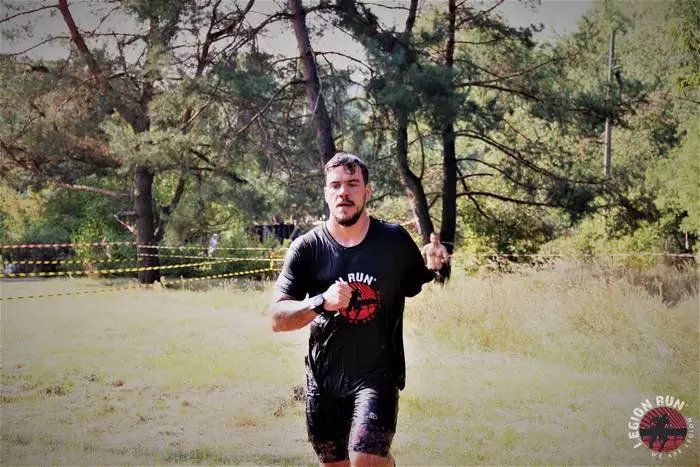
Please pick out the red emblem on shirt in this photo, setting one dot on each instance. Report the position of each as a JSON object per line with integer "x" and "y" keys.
{"x": 363, "y": 305}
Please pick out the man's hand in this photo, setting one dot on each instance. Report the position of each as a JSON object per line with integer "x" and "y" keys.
{"x": 337, "y": 296}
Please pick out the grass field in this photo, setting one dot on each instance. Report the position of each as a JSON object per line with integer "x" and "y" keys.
{"x": 534, "y": 367}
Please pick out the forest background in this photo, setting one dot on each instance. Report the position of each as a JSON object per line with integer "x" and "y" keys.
{"x": 184, "y": 119}
{"x": 173, "y": 116}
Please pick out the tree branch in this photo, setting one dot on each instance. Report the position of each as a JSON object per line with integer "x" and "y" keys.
{"x": 265, "y": 107}
{"x": 137, "y": 123}
{"x": 380, "y": 5}
{"x": 50, "y": 39}
{"x": 353, "y": 59}
{"x": 496, "y": 168}
{"x": 89, "y": 189}
{"x": 229, "y": 173}
{"x": 512, "y": 75}
{"x": 513, "y": 153}
{"x": 508, "y": 199}
{"x": 28, "y": 12}
{"x": 422, "y": 149}
{"x": 478, "y": 174}
{"x": 411, "y": 18}
{"x": 479, "y": 208}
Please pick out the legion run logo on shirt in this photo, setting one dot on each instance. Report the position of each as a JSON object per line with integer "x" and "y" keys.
{"x": 364, "y": 301}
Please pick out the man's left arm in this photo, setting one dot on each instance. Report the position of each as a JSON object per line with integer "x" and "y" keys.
{"x": 414, "y": 271}
{"x": 444, "y": 255}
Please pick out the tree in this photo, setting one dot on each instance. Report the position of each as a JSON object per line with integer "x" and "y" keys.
{"x": 394, "y": 58}
{"x": 463, "y": 71}
{"x": 138, "y": 73}
{"x": 316, "y": 102}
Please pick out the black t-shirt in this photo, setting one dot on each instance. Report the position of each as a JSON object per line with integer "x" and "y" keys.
{"x": 363, "y": 342}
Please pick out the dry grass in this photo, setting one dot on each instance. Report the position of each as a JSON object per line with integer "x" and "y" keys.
{"x": 533, "y": 368}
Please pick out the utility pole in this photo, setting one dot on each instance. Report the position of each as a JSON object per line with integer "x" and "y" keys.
{"x": 607, "y": 144}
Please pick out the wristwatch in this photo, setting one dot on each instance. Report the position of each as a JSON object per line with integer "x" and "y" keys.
{"x": 317, "y": 303}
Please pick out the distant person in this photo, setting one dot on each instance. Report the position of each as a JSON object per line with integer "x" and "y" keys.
{"x": 348, "y": 278}
{"x": 107, "y": 247}
{"x": 278, "y": 227}
{"x": 268, "y": 231}
{"x": 10, "y": 268}
{"x": 437, "y": 258}
{"x": 213, "y": 243}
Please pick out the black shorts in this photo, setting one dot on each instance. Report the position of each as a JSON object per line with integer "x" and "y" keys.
{"x": 362, "y": 422}
{"x": 442, "y": 274}
{"x": 438, "y": 277}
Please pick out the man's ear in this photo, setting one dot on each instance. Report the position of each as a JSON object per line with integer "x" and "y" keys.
{"x": 368, "y": 191}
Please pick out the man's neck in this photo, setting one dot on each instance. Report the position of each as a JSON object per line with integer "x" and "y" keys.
{"x": 351, "y": 235}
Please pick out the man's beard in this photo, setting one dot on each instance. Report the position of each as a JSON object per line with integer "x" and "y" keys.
{"x": 352, "y": 220}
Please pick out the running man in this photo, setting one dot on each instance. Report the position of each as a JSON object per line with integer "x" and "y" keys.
{"x": 355, "y": 365}
{"x": 436, "y": 257}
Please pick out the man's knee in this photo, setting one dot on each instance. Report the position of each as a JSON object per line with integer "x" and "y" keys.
{"x": 345, "y": 463}
{"x": 361, "y": 459}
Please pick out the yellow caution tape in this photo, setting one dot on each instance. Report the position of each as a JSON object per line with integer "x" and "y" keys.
{"x": 135, "y": 286}
{"x": 65, "y": 294}
{"x": 214, "y": 257}
{"x": 221, "y": 276}
{"x": 204, "y": 248}
{"x": 110, "y": 271}
{"x": 71, "y": 261}
{"x": 11, "y": 246}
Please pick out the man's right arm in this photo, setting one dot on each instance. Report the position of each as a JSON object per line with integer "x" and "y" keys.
{"x": 289, "y": 314}
{"x": 288, "y": 308}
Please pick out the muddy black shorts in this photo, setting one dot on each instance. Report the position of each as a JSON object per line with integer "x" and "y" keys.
{"x": 362, "y": 422}
{"x": 438, "y": 276}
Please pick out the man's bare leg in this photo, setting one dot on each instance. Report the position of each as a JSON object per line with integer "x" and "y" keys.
{"x": 361, "y": 459}
{"x": 345, "y": 463}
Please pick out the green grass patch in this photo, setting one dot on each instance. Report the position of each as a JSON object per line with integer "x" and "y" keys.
{"x": 536, "y": 367}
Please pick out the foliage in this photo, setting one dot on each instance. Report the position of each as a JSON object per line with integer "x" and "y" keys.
{"x": 226, "y": 134}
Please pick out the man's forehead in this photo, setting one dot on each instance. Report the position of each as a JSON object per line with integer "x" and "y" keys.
{"x": 343, "y": 173}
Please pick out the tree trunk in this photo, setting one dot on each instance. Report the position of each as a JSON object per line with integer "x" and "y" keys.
{"x": 448, "y": 228}
{"x": 143, "y": 205}
{"x": 410, "y": 180}
{"x": 316, "y": 103}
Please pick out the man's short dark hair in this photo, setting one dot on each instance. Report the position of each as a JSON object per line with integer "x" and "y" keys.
{"x": 350, "y": 162}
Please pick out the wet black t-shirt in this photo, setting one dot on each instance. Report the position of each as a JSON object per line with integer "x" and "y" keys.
{"x": 364, "y": 341}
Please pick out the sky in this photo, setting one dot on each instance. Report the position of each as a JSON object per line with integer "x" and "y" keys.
{"x": 558, "y": 17}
